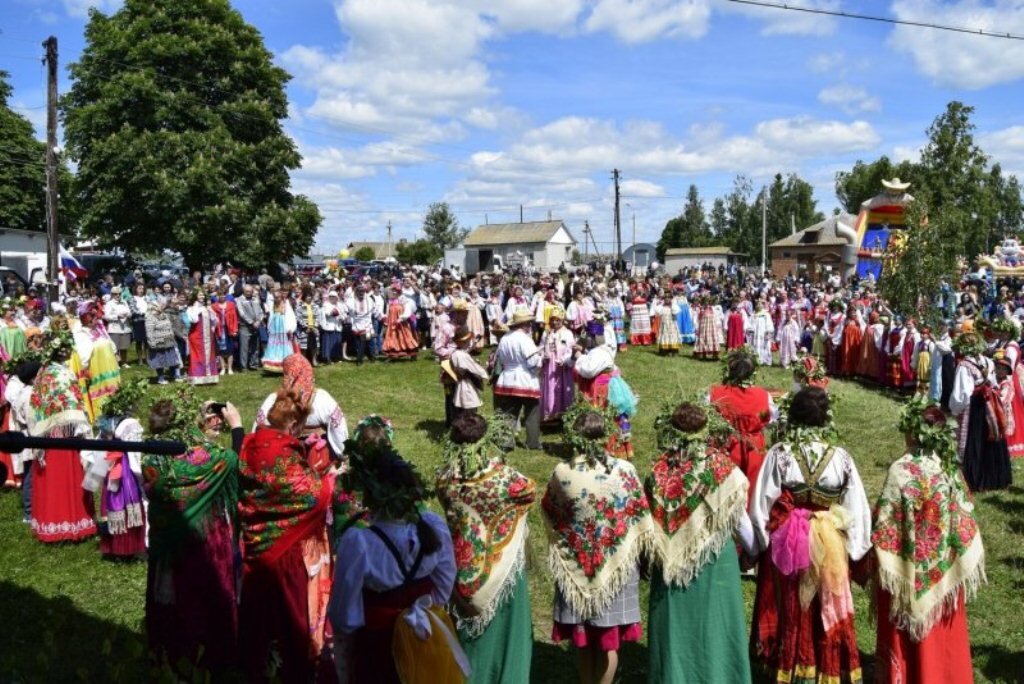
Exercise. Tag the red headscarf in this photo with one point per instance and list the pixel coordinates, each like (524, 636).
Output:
(298, 374)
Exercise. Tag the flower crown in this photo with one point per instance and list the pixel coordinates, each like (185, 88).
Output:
(374, 420)
(1002, 325)
(968, 344)
(731, 357)
(592, 448)
(57, 344)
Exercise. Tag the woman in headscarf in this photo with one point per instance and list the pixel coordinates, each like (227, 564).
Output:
(929, 556)
(747, 407)
(281, 326)
(94, 360)
(286, 577)
(810, 512)
(599, 526)
(191, 597)
(118, 476)
(602, 386)
(698, 497)
(556, 347)
(161, 347)
(400, 326)
(201, 324)
(486, 502)
(226, 313)
(61, 509)
(324, 419)
(398, 570)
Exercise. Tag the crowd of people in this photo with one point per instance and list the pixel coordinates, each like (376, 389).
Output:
(305, 552)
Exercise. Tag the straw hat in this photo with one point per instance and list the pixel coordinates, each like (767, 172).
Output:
(895, 184)
(519, 318)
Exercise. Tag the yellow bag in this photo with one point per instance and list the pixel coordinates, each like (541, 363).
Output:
(425, 647)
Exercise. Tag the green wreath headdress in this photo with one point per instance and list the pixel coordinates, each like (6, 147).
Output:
(127, 398)
(940, 438)
(187, 409)
(593, 449)
(57, 344)
(10, 367)
(968, 344)
(670, 438)
(387, 500)
(466, 460)
(1003, 325)
(731, 356)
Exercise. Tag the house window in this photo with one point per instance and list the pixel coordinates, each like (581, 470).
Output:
(786, 255)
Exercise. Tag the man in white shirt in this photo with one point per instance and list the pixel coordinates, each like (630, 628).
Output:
(361, 312)
(517, 390)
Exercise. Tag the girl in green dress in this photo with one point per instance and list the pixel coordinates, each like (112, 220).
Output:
(697, 630)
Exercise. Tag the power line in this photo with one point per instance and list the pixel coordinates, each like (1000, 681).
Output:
(885, 20)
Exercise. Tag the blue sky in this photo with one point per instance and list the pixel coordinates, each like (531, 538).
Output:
(490, 104)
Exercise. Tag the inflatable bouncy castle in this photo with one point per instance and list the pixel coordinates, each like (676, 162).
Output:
(880, 220)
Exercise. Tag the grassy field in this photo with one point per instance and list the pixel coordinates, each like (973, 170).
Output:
(65, 614)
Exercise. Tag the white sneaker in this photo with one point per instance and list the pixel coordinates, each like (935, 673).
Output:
(162, 381)
(231, 372)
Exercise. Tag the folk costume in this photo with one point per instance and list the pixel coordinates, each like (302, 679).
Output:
(556, 370)
(325, 418)
(226, 314)
(486, 502)
(853, 335)
(762, 334)
(400, 332)
(602, 386)
(281, 325)
(789, 341)
(386, 602)
(640, 334)
(930, 560)
(735, 336)
(976, 403)
(518, 390)
(286, 581)
(707, 345)
(698, 500)
(684, 320)
(599, 526)
(669, 340)
(94, 362)
(191, 596)
(202, 351)
(61, 509)
(616, 315)
(811, 513)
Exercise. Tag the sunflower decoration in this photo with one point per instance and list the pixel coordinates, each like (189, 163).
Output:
(467, 460)
(593, 449)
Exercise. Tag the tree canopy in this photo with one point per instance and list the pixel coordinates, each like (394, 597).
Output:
(421, 251)
(174, 117)
(23, 173)
(441, 226)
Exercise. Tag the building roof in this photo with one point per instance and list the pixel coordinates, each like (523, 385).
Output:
(380, 249)
(514, 233)
(702, 251)
(821, 234)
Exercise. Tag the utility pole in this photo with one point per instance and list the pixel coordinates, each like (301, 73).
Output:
(618, 224)
(586, 242)
(389, 239)
(634, 243)
(52, 238)
(520, 213)
(764, 226)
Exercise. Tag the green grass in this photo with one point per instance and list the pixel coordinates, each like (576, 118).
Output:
(65, 614)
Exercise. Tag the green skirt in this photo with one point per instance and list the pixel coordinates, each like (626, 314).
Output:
(699, 634)
(502, 654)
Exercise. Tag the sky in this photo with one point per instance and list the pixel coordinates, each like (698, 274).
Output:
(491, 104)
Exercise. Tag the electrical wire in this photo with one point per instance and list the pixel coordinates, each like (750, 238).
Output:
(885, 20)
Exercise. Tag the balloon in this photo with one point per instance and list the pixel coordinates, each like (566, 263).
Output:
(343, 254)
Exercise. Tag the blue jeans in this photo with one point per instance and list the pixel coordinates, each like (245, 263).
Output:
(376, 343)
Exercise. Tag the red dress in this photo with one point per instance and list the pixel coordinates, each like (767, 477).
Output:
(1015, 442)
(6, 462)
(748, 410)
(942, 657)
(372, 660)
(850, 350)
(61, 509)
(399, 339)
(735, 333)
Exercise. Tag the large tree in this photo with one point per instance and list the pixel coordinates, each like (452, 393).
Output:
(689, 229)
(441, 226)
(23, 173)
(174, 117)
(864, 180)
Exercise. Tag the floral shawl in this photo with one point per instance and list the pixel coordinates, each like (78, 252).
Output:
(487, 517)
(283, 499)
(927, 542)
(187, 493)
(696, 501)
(56, 399)
(599, 525)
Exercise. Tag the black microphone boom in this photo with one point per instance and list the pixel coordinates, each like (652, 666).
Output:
(15, 442)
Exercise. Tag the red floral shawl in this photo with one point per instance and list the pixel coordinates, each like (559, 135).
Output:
(282, 499)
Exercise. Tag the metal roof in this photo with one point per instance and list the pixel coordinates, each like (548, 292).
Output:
(825, 231)
(514, 233)
(701, 251)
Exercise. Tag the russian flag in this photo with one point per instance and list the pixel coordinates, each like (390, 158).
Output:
(69, 265)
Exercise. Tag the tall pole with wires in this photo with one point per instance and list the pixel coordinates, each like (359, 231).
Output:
(52, 239)
(618, 223)
(764, 226)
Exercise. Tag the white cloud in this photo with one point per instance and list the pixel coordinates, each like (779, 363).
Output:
(810, 137)
(80, 8)
(961, 60)
(641, 188)
(911, 153)
(544, 16)
(850, 99)
(637, 21)
(779, 22)
(361, 162)
(824, 62)
(1006, 146)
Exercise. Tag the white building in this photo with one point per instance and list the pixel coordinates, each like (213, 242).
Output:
(545, 244)
(694, 257)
